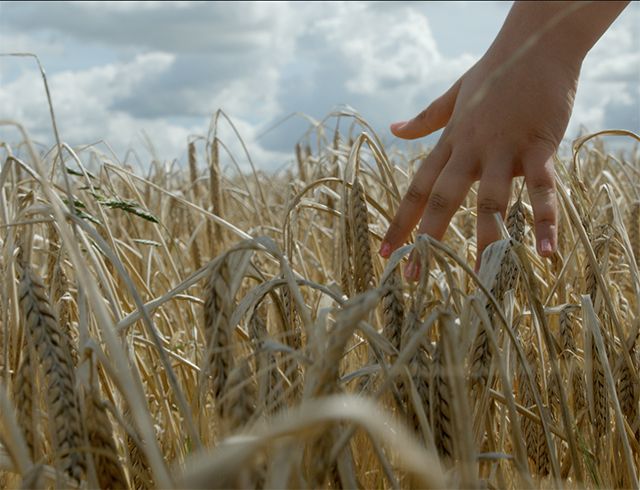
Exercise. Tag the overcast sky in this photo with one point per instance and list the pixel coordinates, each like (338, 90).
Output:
(117, 69)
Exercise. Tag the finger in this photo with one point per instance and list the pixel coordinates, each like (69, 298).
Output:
(434, 117)
(493, 197)
(447, 194)
(445, 198)
(414, 200)
(539, 177)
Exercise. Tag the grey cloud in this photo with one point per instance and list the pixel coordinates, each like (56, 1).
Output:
(198, 27)
(186, 88)
(217, 47)
(323, 84)
(313, 81)
(260, 62)
(619, 115)
(623, 68)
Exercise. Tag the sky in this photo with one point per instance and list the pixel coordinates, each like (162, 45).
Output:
(121, 70)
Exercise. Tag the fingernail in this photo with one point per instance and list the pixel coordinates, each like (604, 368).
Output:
(385, 250)
(410, 270)
(398, 125)
(416, 271)
(546, 248)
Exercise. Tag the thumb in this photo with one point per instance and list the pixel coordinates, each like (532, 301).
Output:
(434, 117)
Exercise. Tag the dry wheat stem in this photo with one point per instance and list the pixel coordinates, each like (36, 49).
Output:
(293, 337)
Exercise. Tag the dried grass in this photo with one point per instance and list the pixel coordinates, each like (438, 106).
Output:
(250, 338)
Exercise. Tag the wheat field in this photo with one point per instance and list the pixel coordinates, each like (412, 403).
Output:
(201, 327)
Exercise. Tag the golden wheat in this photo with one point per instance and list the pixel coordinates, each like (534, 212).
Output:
(252, 304)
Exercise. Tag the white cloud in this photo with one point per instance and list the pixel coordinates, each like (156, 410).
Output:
(82, 98)
(83, 102)
(390, 48)
(622, 67)
(608, 94)
(165, 68)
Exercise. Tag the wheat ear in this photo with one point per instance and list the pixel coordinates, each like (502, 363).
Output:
(193, 170)
(26, 400)
(218, 308)
(52, 349)
(363, 264)
(634, 231)
(393, 309)
(100, 434)
(532, 431)
(215, 194)
(240, 397)
(504, 280)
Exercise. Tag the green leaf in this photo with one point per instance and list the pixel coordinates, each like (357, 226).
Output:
(76, 202)
(128, 206)
(87, 216)
(79, 174)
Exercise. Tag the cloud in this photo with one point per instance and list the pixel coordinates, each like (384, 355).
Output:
(625, 67)
(89, 107)
(406, 55)
(205, 28)
(383, 61)
(119, 68)
(608, 95)
(226, 54)
(19, 42)
(258, 62)
(81, 98)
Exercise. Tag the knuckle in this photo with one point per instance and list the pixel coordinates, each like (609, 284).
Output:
(543, 138)
(438, 202)
(423, 115)
(541, 188)
(415, 195)
(488, 205)
(393, 230)
(397, 230)
(545, 220)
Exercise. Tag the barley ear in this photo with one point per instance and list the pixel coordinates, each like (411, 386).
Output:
(393, 309)
(363, 264)
(240, 397)
(52, 350)
(26, 401)
(104, 452)
(193, 171)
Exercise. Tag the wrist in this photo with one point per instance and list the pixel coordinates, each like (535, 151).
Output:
(565, 31)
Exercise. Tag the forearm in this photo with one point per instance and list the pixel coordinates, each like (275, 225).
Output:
(567, 30)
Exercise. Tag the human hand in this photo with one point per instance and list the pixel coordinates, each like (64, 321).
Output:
(503, 118)
(497, 127)
(513, 130)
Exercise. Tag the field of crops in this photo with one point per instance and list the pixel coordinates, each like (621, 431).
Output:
(201, 327)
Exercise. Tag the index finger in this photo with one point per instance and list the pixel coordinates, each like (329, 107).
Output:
(415, 199)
